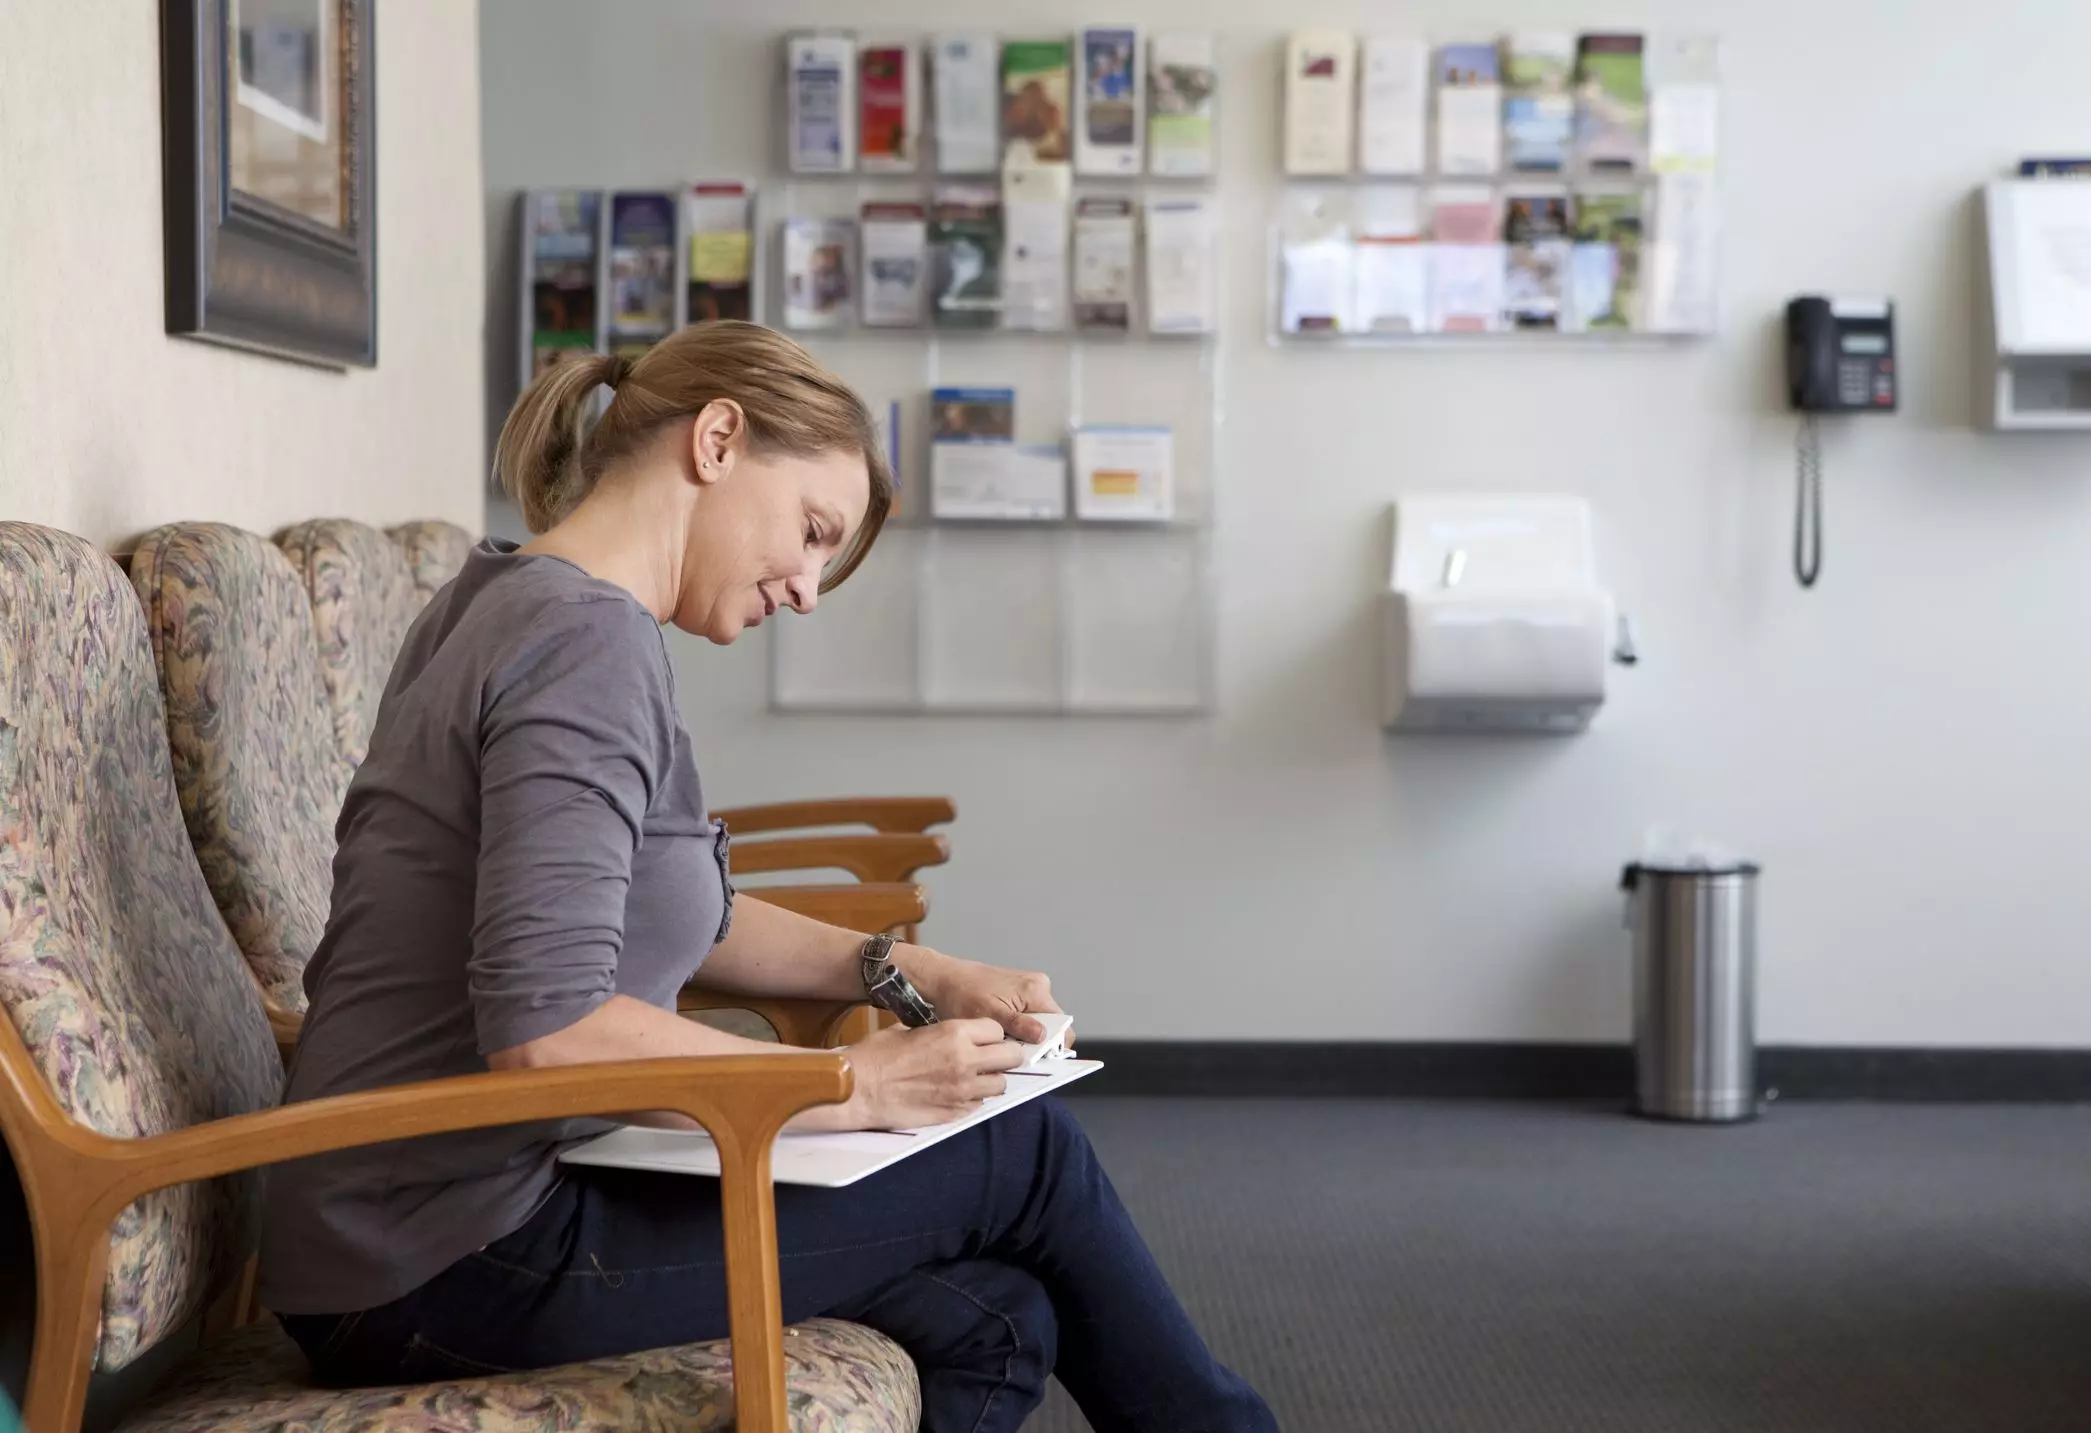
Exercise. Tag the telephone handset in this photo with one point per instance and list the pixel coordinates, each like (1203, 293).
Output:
(1840, 358)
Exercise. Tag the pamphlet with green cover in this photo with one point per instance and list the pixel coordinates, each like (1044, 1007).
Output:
(1036, 83)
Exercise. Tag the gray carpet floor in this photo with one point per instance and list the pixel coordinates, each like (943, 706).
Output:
(1382, 1266)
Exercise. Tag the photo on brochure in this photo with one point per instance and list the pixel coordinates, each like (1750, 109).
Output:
(642, 266)
(965, 246)
(1035, 89)
(1612, 104)
(1605, 267)
(972, 415)
(1539, 109)
(564, 235)
(1535, 272)
(1108, 57)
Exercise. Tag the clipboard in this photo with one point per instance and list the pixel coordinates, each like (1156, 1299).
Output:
(828, 1161)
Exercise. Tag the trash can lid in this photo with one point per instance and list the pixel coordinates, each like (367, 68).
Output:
(1684, 867)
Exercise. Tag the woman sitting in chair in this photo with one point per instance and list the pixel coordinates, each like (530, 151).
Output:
(526, 877)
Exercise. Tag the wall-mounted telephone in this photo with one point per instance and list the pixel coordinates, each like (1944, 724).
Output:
(1840, 355)
(1840, 358)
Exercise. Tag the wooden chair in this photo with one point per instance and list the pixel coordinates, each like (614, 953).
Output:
(137, 1079)
(910, 815)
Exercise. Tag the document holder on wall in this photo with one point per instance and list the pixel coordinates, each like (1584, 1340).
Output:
(1108, 613)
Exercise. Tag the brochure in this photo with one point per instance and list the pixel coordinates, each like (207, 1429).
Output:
(1182, 87)
(977, 470)
(1035, 85)
(1124, 473)
(821, 75)
(1390, 262)
(1466, 262)
(817, 267)
(887, 107)
(1320, 101)
(1539, 112)
(895, 287)
(1034, 248)
(1393, 103)
(1315, 295)
(1113, 102)
(1103, 277)
(1535, 266)
(565, 235)
(1611, 104)
(1605, 269)
(1470, 109)
(642, 270)
(967, 107)
(719, 218)
(1182, 265)
(965, 248)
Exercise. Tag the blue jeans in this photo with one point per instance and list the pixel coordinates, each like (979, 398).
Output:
(995, 1258)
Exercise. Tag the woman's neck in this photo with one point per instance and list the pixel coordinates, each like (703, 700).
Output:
(629, 532)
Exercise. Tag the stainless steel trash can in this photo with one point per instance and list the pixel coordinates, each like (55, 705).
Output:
(1695, 989)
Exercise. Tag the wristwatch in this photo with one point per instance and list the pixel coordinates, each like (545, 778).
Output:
(888, 989)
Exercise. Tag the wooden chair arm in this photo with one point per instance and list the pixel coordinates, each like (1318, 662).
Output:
(868, 858)
(881, 813)
(810, 1024)
(78, 1181)
(867, 908)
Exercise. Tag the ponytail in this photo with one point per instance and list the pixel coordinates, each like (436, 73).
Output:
(538, 455)
(548, 462)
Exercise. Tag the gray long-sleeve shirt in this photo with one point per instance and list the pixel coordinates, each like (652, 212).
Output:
(527, 837)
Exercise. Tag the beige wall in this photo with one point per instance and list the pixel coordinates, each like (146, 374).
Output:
(1902, 747)
(108, 426)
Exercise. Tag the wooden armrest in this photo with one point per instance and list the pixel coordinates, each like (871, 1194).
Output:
(869, 858)
(867, 908)
(811, 1024)
(78, 1181)
(881, 813)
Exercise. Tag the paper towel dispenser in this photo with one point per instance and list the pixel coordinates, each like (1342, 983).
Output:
(2033, 367)
(1494, 620)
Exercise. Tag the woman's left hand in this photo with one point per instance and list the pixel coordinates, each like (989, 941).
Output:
(968, 990)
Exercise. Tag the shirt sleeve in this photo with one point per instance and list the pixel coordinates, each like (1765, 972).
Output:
(576, 735)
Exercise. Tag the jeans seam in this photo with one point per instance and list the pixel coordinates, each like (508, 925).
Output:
(467, 1367)
(599, 1272)
(1016, 1345)
(339, 1336)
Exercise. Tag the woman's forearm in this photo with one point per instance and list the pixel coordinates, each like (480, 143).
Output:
(773, 951)
(622, 1028)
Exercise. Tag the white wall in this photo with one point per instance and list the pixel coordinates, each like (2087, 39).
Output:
(108, 426)
(1900, 747)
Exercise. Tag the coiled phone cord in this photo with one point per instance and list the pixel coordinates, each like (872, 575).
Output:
(1807, 502)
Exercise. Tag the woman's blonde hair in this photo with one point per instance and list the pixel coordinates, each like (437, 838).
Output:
(549, 457)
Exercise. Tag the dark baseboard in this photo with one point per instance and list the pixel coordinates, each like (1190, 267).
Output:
(1459, 1070)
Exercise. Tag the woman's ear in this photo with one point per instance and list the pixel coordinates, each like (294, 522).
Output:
(717, 438)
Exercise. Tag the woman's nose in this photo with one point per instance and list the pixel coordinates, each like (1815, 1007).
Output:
(802, 592)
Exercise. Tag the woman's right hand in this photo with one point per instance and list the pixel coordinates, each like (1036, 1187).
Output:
(938, 1073)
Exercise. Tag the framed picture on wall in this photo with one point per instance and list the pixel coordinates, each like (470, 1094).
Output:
(271, 176)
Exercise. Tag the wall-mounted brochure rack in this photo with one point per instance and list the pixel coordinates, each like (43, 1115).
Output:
(1077, 582)
(1530, 187)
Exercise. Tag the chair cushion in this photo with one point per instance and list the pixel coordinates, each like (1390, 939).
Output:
(363, 600)
(843, 1378)
(435, 553)
(259, 773)
(115, 968)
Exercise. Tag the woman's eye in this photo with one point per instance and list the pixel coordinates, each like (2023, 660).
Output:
(812, 535)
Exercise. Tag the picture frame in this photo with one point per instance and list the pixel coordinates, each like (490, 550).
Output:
(271, 176)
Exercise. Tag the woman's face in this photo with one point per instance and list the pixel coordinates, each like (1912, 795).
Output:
(761, 532)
